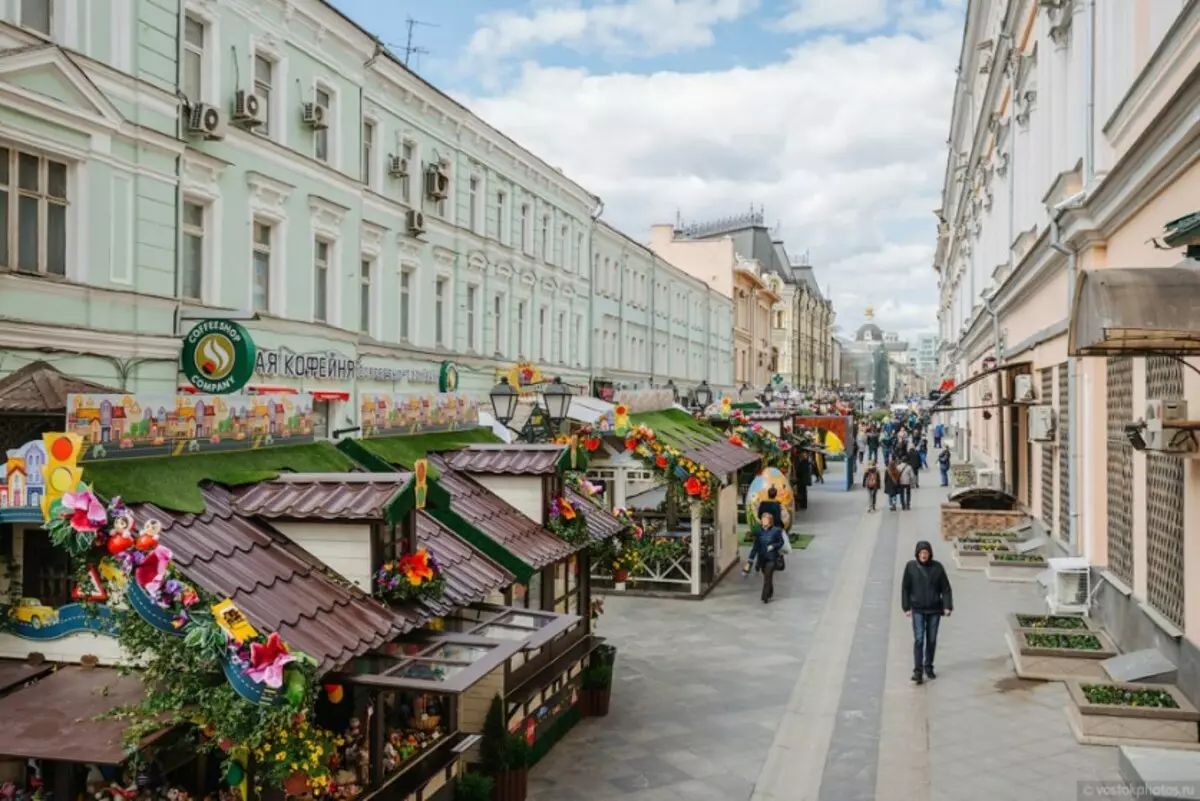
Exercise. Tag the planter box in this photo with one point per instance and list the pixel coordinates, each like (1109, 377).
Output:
(969, 556)
(958, 522)
(1039, 621)
(1110, 724)
(1039, 663)
(1000, 570)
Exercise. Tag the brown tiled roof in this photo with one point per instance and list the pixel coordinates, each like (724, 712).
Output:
(722, 457)
(56, 718)
(15, 672)
(470, 576)
(503, 523)
(277, 584)
(321, 496)
(40, 387)
(600, 523)
(517, 460)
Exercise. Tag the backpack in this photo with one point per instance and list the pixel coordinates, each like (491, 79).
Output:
(873, 480)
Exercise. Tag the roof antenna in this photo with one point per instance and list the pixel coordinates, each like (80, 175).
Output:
(409, 50)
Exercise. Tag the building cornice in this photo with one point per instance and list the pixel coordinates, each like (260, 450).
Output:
(32, 336)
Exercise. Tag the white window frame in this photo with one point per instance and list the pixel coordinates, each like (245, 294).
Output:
(49, 33)
(579, 251)
(474, 195)
(443, 335)
(330, 132)
(276, 239)
(564, 242)
(415, 173)
(276, 128)
(543, 333)
(577, 340)
(370, 153)
(72, 247)
(474, 341)
(560, 335)
(206, 246)
(200, 52)
(500, 325)
(503, 209)
(546, 234)
(522, 308)
(371, 262)
(527, 229)
(406, 299)
(210, 84)
(329, 268)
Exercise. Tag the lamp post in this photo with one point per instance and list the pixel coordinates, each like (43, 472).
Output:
(768, 395)
(504, 402)
(703, 395)
(554, 404)
(556, 401)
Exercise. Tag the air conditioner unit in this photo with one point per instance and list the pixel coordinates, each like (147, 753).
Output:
(204, 120)
(247, 109)
(1160, 434)
(1070, 587)
(437, 181)
(1023, 389)
(986, 394)
(314, 116)
(416, 222)
(397, 166)
(1041, 423)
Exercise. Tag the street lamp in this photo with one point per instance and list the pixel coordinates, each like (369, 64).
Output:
(504, 402)
(768, 395)
(556, 400)
(703, 395)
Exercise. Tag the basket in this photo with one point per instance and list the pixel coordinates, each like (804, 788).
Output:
(428, 724)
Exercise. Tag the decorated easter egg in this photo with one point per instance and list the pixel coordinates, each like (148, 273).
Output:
(757, 493)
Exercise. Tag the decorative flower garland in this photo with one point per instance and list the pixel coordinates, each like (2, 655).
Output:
(586, 435)
(567, 522)
(776, 452)
(414, 575)
(697, 481)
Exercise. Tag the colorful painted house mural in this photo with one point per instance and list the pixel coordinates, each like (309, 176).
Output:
(24, 483)
(385, 414)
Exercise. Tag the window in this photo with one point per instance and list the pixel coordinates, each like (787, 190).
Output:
(368, 166)
(408, 153)
(33, 233)
(501, 235)
(472, 293)
(46, 570)
(560, 330)
(193, 59)
(35, 15)
(405, 302)
(500, 343)
(521, 328)
(542, 335)
(473, 200)
(364, 296)
(439, 312)
(321, 250)
(578, 339)
(567, 586)
(262, 266)
(525, 228)
(264, 73)
(563, 238)
(578, 253)
(321, 136)
(191, 282)
(546, 238)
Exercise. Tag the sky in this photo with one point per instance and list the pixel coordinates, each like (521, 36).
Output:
(832, 115)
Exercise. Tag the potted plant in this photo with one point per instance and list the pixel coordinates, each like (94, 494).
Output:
(505, 756)
(473, 787)
(596, 682)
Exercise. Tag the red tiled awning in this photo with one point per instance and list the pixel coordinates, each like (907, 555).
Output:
(517, 460)
(322, 496)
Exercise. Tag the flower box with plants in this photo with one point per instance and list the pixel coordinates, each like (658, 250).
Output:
(974, 555)
(1017, 620)
(1020, 567)
(1113, 713)
(412, 576)
(995, 535)
(625, 561)
(567, 522)
(1060, 655)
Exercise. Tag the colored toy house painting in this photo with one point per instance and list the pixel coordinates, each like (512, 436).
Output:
(147, 425)
(24, 483)
(389, 415)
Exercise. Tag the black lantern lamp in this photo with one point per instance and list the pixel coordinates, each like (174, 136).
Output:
(703, 395)
(768, 395)
(556, 401)
(504, 401)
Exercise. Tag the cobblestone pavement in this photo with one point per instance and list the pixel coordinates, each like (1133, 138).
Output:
(809, 698)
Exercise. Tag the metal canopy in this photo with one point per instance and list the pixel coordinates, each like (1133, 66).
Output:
(940, 404)
(1132, 311)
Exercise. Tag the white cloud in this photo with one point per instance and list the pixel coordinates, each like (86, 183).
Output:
(852, 15)
(643, 27)
(841, 141)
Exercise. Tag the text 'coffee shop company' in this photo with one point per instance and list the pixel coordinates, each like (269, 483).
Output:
(221, 357)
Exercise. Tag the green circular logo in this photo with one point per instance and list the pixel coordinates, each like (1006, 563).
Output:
(218, 357)
(448, 377)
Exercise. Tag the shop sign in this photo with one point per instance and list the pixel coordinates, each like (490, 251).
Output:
(218, 357)
(114, 426)
(334, 366)
(383, 415)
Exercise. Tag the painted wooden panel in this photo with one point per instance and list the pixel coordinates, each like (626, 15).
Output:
(345, 547)
(523, 492)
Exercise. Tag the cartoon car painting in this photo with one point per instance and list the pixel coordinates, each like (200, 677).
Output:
(34, 612)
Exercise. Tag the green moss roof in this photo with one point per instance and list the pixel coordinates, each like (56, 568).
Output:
(677, 428)
(172, 482)
(403, 451)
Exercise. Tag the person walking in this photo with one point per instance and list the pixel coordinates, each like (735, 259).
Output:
(886, 442)
(923, 449)
(926, 597)
(803, 479)
(914, 459)
(819, 467)
(939, 431)
(765, 554)
(905, 475)
(891, 483)
(770, 506)
(871, 482)
(873, 444)
(944, 466)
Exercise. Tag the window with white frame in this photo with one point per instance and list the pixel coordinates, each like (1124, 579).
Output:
(366, 272)
(33, 210)
(439, 311)
(472, 299)
(521, 329)
(191, 280)
(368, 152)
(560, 331)
(408, 152)
(542, 334)
(194, 34)
(262, 265)
(501, 205)
(324, 99)
(500, 345)
(321, 255)
(264, 76)
(473, 203)
(578, 339)
(563, 242)
(605, 282)
(37, 15)
(406, 279)
(578, 253)
(546, 238)
(525, 229)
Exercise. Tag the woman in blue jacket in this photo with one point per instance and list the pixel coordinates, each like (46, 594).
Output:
(765, 551)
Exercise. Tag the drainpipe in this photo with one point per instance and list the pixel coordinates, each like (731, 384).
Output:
(1072, 400)
(591, 340)
(999, 356)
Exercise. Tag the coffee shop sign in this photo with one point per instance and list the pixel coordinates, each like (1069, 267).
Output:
(335, 367)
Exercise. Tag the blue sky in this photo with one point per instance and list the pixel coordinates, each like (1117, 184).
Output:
(832, 114)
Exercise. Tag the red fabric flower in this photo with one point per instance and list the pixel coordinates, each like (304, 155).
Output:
(630, 444)
(661, 461)
(692, 485)
(592, 444)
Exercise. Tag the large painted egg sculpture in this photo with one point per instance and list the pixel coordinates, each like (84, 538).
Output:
(771, 477)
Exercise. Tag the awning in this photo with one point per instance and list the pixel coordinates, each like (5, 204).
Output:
(329, 395)
(1132, 311)
(40, 388)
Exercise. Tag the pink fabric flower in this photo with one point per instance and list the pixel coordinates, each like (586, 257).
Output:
(268, 660)
(87, 513)
(152, 571)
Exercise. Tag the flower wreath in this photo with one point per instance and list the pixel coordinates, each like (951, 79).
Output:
(697, 481)
(776, 452)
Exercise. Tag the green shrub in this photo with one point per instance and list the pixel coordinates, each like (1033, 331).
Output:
(518, 752)
(1119, 696)
(1073, 642)
(597, 677)
(493, 745)
(473, 787)
(1050, 622)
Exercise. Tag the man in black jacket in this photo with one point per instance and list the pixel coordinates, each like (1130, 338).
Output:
(925, 596)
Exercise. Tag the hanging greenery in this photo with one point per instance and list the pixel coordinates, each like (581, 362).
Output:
(414, 575)
(696, 480)
(776, 452)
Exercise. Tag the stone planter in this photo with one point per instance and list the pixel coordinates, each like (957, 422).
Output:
(1039, 661)
(1043, 622)
(958, 522)
(1015, 567)
(1120, 724)
(975, 555)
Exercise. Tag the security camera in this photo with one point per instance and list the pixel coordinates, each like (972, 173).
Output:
(1133, 432)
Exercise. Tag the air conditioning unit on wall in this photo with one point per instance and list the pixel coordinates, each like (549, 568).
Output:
(1041, 423)
(1161, 435)
(1023, 389)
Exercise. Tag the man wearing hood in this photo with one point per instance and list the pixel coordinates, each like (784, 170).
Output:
(925, 596)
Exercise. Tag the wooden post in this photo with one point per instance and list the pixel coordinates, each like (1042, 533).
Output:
(696, 520)
(620, 487)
